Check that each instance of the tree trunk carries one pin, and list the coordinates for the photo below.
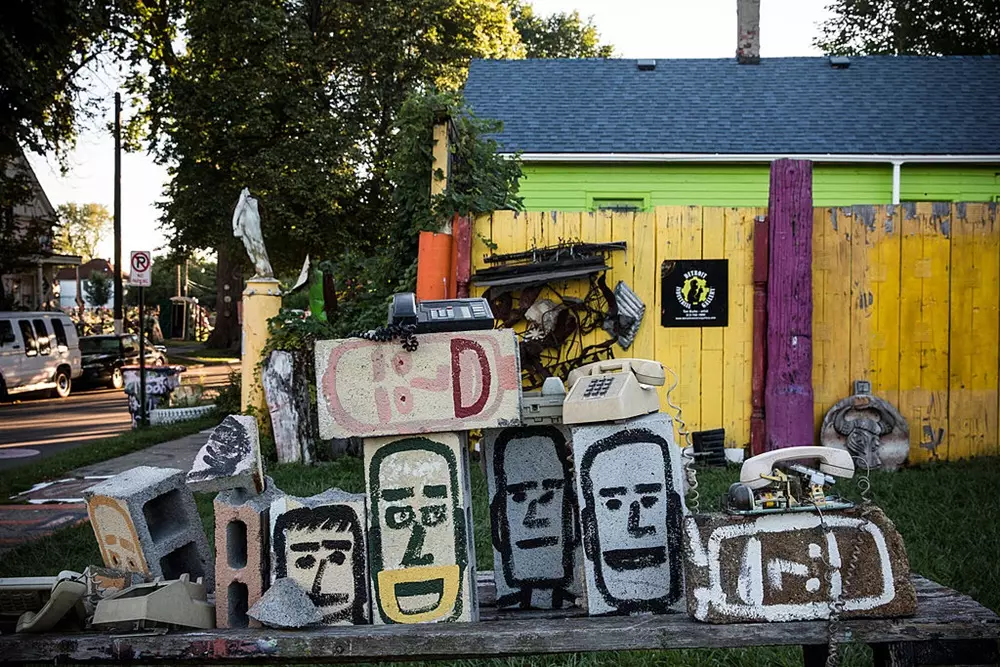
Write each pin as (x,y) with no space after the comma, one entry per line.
(229,290)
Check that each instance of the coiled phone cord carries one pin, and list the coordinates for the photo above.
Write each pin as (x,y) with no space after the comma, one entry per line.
(687,451)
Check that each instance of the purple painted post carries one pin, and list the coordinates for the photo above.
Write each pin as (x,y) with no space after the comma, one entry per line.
(788,393)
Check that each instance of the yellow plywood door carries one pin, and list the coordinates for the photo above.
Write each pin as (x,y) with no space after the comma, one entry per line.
(713,246)
(874,346)
(738,336)
(975,272)
(924,328)
(831,307)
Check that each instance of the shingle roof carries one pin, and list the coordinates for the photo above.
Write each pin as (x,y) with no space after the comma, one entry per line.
(905,105)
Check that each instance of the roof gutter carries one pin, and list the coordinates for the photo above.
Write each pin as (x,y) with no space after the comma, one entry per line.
(895,160)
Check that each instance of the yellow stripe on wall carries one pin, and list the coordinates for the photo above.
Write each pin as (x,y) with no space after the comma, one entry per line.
(905,297)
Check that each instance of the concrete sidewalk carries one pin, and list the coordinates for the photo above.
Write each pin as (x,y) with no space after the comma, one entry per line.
(63,500)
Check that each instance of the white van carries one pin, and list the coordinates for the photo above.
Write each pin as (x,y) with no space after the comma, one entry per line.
(38,351)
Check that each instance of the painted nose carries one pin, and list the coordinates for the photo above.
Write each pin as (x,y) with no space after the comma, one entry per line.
(531,519)
(414,554)
(634,529)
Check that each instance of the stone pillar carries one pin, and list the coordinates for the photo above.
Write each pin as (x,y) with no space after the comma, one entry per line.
(423,561)
(631,496)
(261,302)
(287,390)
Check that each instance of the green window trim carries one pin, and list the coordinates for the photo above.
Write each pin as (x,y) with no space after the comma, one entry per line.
(618,201)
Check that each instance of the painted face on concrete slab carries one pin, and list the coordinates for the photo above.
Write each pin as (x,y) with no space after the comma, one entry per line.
(417,530)
(632,518)
(116,535)
(322,549)
(534,514)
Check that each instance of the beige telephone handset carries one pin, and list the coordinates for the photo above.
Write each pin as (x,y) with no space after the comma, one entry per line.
(612,389)
(836,462)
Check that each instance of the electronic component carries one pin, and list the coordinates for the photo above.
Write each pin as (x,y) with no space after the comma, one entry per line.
(444,315)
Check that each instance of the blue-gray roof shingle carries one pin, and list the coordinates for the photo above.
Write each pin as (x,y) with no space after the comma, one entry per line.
(885,105)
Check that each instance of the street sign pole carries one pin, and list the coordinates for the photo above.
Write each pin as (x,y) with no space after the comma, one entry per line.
(141,263)
(143,416)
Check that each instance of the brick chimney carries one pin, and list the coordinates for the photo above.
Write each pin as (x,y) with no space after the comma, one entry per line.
(748,32)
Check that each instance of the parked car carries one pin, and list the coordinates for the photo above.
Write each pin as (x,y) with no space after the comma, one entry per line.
(104,356)
(38,351)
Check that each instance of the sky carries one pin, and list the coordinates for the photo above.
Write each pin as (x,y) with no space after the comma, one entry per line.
(636,28)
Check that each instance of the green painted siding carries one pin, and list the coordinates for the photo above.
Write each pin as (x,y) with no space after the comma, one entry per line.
(573,187)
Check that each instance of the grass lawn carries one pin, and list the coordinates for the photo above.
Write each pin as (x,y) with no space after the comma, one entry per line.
(947,514)
(55,466)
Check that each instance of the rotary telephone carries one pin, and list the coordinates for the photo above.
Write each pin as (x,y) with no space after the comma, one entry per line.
(612,389)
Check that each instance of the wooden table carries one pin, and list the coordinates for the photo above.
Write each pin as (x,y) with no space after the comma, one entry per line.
(949,628)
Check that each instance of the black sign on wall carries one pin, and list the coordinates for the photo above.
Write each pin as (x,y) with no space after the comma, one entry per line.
(695,293)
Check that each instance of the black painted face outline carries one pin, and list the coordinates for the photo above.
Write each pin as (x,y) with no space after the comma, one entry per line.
(672,529)
(458,513)
(499,523)
(326,517)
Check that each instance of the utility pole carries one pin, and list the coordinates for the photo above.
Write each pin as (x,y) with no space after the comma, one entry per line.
(187,307)
(119,317)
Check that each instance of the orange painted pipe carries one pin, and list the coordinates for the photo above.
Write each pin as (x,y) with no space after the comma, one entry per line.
(434,266)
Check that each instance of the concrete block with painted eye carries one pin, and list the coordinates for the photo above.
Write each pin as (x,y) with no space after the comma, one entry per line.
(319,542)
(420,528)
(533,515)
(630,490)
(146,521)
(242,553)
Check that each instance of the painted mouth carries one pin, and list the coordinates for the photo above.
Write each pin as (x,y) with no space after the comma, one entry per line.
(635,559)
(537,542)
(418,597)
(329,599)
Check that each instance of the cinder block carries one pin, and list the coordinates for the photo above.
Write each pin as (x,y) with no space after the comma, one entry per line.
(145,521)
(630,490)
(452,381)
(320,543)
(420,527)
(533,514)
(242,553)
(788,567)
(230,459)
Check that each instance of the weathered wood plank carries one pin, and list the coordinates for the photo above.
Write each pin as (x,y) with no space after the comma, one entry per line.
(942,614)
(788,402)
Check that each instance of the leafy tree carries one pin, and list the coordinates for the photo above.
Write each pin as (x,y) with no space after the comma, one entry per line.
(98,289)
(560,35)
(83,227)
(922,27)
(44,45)
(297,101)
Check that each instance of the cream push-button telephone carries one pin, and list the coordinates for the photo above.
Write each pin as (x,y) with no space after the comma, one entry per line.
(612,390)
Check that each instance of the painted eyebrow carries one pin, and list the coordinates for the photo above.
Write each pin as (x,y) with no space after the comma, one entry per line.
(613,491)
(436,491)
(304,546)
(553,483)
(397,494)
(342,545)
(648,488)
(521,487)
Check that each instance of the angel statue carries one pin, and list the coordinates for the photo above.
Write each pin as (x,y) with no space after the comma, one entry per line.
(246,226)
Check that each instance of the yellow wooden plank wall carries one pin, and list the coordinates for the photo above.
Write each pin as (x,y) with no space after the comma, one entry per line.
(905,297)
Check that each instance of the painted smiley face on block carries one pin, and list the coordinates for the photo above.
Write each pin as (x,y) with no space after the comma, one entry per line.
(533,509)
(417,531)
(322,549)
(116,535)
(632,521)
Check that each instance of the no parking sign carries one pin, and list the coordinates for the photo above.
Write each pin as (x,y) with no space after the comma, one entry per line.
(141,269)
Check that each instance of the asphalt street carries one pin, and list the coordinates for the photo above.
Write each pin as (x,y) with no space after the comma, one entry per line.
(33,426)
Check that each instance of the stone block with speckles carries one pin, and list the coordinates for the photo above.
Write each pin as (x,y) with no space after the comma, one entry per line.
(242,553)
(630,490)
(420,528)
(452,381)
(145,520)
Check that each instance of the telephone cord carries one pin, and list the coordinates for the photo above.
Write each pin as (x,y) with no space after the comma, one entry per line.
(691,475)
